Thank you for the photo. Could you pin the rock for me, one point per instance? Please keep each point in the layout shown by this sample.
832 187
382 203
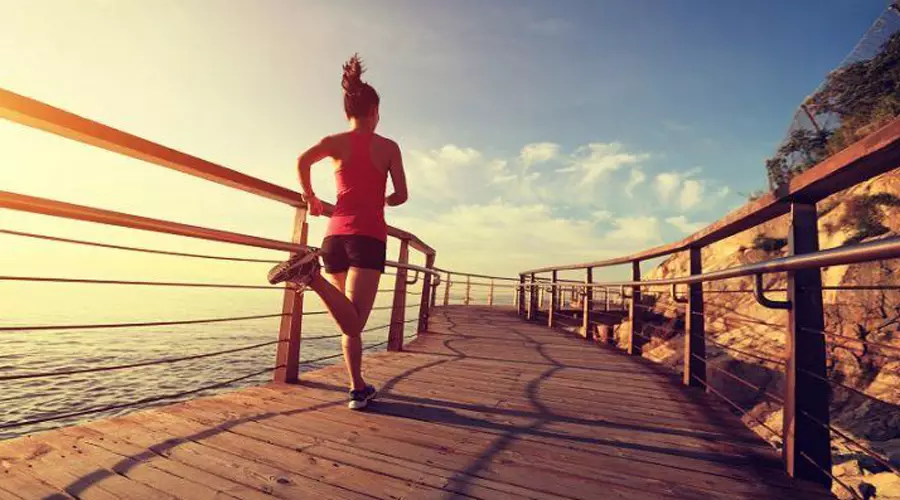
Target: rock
894 458
886 484
869 464
866 490
849 468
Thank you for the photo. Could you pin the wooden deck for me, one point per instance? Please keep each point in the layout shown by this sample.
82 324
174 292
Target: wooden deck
485 406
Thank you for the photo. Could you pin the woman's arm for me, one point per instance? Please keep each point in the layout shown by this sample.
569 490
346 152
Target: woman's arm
312 155
398 178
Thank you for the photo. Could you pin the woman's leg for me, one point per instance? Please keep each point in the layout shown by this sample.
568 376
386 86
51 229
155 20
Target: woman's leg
350 306
361 289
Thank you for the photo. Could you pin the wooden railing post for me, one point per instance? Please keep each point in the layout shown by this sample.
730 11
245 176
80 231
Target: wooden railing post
587 324
520 294
427 295
695 337
532 299
433 301
635 311
398 313
447 289
807 444
287 357
606 297
468 289
554 300
491 293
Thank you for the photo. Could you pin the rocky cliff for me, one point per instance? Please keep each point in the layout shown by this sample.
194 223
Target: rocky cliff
862 328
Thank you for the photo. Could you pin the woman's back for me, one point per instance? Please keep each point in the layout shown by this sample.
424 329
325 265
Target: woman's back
362 161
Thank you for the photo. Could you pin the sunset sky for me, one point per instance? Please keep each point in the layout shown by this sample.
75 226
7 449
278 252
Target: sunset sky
533 132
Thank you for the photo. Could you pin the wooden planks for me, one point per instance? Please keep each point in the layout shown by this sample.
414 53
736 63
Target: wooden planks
482 405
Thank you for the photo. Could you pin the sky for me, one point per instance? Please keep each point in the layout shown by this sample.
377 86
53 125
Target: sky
533 133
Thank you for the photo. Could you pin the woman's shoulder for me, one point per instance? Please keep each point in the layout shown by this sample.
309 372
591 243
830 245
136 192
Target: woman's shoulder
387 141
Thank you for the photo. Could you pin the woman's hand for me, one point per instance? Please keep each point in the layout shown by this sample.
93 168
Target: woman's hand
314 205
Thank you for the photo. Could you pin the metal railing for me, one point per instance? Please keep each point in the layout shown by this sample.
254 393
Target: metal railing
807 430
288 362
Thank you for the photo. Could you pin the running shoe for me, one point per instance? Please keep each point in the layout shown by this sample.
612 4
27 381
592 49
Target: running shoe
360 399
299 270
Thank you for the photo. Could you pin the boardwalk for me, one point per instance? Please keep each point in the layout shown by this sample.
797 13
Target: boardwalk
484 405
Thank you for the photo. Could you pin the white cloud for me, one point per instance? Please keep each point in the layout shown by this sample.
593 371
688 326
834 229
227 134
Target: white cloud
639 229
691 193
684 226
598 159
637 178
602 215
504 238
538 152
666 184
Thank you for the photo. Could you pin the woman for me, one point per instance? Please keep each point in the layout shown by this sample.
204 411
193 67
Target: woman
353 250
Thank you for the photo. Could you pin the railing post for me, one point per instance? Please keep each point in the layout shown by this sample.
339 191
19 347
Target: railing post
532 299
807 444
587 324
468 289
447 289
427 296
635 311
554 300
287 357
433 300
398 313
520 294
491 293
606 296
695 337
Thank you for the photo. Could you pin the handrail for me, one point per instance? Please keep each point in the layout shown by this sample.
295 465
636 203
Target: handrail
457 273
888 248
34 204
874 155
39 115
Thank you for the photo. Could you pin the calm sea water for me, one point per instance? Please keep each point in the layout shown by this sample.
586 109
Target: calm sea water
55 351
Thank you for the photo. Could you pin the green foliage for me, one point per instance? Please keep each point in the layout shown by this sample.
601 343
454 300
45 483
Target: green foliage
865 95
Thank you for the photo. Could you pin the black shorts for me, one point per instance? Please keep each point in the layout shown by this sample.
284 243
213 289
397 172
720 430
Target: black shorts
341 252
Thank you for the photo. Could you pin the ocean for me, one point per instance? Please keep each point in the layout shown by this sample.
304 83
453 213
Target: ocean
53 351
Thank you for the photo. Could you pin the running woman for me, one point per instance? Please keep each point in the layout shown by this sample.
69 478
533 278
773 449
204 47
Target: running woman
353 250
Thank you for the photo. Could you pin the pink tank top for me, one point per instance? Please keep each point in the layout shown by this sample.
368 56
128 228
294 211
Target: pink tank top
360 193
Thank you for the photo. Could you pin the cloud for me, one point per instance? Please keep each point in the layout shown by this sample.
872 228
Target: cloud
538 152
680 188
637 178
504 238
602 215
598 159
638 229
684 226
691 193
666 184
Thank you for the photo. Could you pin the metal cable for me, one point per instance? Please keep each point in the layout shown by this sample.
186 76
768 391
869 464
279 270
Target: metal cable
833 478
153 399
137 365
152 323
871 453
737 407
851 339
147 283
739 351
133 249
739 379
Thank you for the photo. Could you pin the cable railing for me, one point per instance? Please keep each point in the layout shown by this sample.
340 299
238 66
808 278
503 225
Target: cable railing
406 318
702 311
